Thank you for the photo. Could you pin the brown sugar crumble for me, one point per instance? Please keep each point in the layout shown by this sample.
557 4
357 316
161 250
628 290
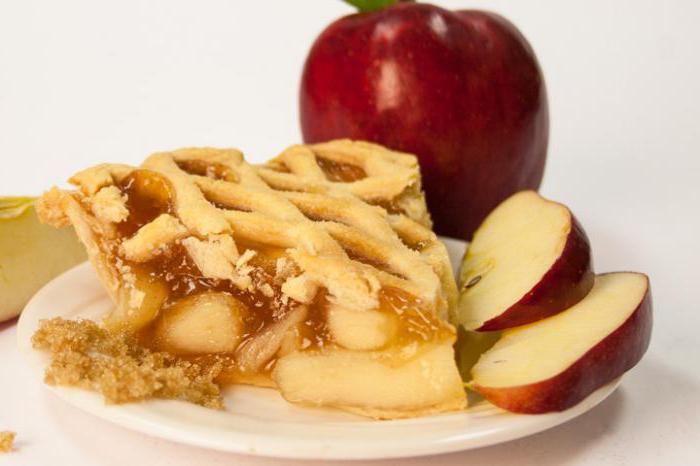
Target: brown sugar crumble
6 440
85 355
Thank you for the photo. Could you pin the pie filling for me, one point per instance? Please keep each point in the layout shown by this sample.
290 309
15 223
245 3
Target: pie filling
249 324
338 171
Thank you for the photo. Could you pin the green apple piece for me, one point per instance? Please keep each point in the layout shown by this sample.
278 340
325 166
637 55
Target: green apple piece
31 254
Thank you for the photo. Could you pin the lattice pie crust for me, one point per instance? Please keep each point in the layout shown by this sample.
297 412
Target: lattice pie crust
315 273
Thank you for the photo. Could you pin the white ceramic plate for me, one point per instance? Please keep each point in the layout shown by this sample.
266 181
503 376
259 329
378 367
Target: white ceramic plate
258 421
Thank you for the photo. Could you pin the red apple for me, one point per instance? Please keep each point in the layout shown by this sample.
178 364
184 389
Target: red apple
555 363
530 259
460 89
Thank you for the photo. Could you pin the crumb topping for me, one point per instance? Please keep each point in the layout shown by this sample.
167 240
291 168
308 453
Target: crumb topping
109 205
7 439
86 355
49 210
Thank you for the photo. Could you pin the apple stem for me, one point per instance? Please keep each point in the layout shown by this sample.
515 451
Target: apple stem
372 5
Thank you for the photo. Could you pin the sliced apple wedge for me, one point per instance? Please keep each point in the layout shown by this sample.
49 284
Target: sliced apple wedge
31 254
553 364
530 259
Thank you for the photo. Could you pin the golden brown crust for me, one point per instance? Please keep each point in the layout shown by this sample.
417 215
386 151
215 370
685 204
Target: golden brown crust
389 175
151 238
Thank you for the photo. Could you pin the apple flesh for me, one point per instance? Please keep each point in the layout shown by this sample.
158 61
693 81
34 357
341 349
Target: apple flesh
31 254
530 259
364 383
204 323
469 348
460 89
361 330
553 364
137 315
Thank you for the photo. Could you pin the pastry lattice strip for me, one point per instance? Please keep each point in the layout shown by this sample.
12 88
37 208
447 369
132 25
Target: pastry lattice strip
389 177
291 203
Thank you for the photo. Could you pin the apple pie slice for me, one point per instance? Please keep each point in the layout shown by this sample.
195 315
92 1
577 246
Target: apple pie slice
315 273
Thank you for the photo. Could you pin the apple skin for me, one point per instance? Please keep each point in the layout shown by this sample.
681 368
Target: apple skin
606 361
462 90
566 283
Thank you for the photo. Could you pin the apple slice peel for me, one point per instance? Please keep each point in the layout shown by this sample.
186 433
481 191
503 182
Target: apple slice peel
553 364
530 259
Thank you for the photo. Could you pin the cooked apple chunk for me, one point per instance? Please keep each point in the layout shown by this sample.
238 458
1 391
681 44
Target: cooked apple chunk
530 259
364 383
145 298
204 323
361 330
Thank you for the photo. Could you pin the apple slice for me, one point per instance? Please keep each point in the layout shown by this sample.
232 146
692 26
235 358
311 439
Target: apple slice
553 364
31 254
530 259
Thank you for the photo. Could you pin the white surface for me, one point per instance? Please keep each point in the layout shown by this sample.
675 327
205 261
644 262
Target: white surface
83 82
258 420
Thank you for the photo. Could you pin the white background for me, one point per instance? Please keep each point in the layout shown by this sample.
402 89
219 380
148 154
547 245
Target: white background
83 82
